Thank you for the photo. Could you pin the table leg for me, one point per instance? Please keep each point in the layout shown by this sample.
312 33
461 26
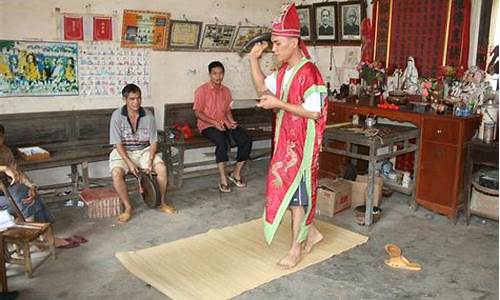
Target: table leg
371 187
467 184
413 202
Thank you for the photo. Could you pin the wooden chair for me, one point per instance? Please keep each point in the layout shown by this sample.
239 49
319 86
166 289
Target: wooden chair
23 235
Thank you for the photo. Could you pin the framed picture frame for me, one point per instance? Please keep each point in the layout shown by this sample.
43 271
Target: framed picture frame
217 36
305 18
351 13
184 34
325 22
245 33
146 29
37 68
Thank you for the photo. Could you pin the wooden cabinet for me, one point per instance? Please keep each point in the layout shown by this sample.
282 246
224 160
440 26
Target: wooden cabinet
442 152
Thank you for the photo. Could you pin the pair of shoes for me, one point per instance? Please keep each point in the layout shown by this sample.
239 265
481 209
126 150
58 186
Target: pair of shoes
398 261
168 209
71 244
124 217
237 182
224 188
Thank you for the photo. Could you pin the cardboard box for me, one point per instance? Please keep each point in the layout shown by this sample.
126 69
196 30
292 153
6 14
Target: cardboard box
33 153
333 196
360 190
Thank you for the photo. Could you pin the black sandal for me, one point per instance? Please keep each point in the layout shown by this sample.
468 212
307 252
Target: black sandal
224 188
238 182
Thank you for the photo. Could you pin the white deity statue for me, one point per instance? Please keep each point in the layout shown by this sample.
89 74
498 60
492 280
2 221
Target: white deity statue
410 77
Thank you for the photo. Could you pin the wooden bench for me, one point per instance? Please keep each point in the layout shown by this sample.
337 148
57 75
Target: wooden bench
72 137
256 122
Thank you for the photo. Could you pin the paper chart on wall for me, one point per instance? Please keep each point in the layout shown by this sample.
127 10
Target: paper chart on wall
105 68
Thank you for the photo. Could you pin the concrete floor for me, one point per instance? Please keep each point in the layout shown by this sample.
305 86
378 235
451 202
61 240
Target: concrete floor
459 261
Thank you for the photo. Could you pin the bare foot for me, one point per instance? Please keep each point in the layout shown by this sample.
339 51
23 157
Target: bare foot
314 237
290 260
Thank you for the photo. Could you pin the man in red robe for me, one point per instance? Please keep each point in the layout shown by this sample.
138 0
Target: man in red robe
298 95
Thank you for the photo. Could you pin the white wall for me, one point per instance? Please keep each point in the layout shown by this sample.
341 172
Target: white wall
174 75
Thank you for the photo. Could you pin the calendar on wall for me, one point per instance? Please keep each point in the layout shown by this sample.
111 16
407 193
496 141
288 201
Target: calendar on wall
105 68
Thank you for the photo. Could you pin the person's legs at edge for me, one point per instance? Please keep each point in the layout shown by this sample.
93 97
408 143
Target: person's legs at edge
294 254
120 186
161 177
33 212
244 148
219 139
313 238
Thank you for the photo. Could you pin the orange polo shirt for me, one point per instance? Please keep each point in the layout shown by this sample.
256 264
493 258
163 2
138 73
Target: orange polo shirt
214 101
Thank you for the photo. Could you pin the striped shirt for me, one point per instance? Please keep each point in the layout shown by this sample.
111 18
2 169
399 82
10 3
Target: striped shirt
121 131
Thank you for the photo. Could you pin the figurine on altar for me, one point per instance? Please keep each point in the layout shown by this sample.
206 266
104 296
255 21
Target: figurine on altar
410 77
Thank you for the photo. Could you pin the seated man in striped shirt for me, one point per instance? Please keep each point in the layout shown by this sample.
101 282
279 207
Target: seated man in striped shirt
133 133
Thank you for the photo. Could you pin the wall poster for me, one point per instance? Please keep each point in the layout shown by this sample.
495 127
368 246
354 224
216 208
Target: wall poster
33 68
145 29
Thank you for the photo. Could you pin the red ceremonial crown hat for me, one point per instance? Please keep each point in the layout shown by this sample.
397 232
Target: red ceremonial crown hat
288 25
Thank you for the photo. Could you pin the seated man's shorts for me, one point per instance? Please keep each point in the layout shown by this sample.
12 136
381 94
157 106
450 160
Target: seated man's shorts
139 157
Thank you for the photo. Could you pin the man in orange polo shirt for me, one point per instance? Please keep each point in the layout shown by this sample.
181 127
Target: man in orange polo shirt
212 107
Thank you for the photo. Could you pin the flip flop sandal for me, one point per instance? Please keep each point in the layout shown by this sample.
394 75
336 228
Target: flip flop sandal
224 188
402 262
398 261
238 182
71 244
393 250
168 209
80 239
124 217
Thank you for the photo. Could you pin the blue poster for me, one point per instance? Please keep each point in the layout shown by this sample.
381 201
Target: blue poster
32 68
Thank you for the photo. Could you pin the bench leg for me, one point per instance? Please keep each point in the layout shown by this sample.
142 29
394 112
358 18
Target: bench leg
180 168
170 166
85 174
74 177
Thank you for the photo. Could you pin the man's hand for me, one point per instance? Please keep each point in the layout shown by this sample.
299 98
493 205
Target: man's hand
133 168
219 125
32 193
257 49
269 102
12 174
231 124
150 165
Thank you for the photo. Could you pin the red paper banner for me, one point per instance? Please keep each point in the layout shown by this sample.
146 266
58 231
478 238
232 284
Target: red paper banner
73 28
103 29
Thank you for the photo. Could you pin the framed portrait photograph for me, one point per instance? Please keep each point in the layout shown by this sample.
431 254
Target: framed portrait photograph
245 33
184 34
325 25
305 18
218 36
351 14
